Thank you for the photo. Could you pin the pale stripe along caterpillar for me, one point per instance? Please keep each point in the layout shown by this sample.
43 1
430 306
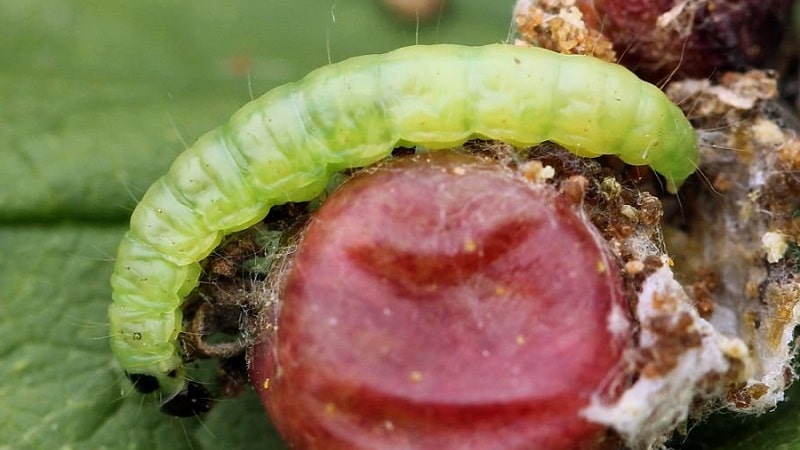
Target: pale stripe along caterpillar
284 146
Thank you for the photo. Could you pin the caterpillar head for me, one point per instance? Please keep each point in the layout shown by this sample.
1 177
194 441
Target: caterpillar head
152 363
194 399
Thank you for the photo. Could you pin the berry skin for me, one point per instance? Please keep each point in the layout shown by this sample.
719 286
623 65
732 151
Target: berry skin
441 302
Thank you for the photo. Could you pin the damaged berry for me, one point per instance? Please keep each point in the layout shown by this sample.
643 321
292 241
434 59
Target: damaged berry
695 38
443 302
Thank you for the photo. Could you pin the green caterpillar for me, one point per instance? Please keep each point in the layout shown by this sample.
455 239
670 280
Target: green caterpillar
284 146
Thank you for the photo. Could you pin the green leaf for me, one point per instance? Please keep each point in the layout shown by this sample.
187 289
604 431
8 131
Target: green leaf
96 99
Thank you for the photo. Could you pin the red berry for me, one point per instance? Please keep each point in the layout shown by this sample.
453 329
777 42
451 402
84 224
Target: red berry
441 302
704 36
